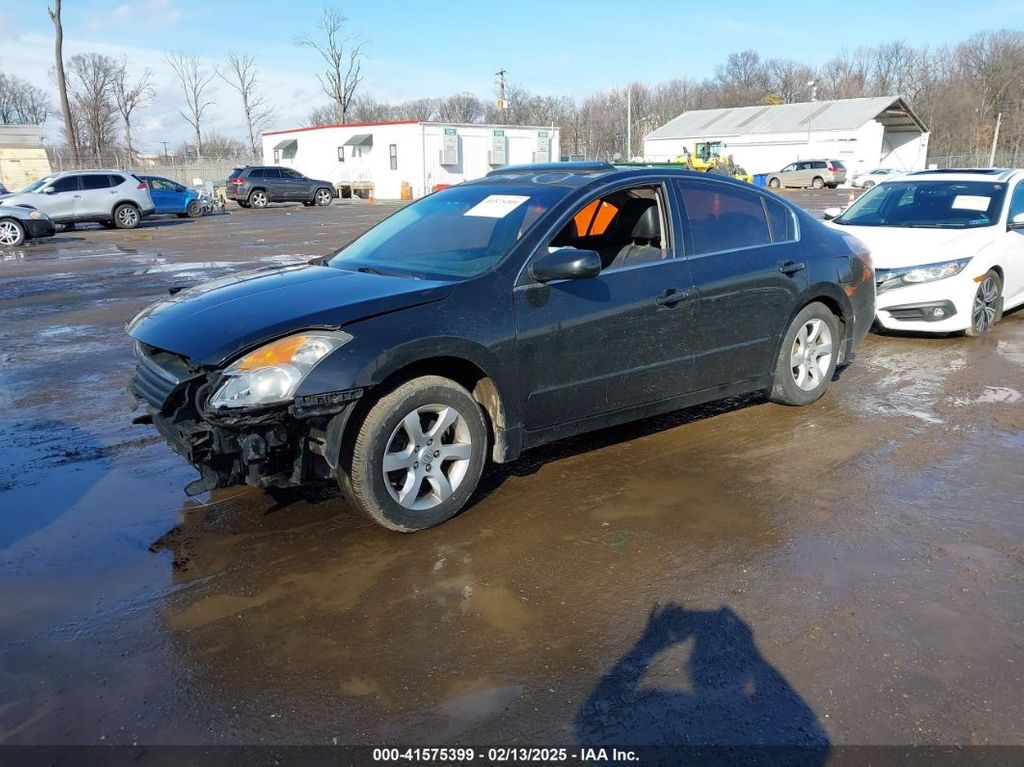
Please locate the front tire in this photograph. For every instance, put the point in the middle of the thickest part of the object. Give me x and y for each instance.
(807, 357)
(867, 185)
(418, 455)
(774, 183)
(322, 197)
(126, 216)
(12, 233)
(194, 209)
(987, 308)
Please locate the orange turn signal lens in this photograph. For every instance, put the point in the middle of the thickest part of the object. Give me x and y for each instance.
(272, 354)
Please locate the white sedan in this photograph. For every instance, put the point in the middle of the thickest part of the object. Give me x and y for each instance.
(876, 176)
(948, 248)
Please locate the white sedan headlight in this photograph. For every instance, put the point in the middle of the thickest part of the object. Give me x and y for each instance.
(272, 373)
(930, 272)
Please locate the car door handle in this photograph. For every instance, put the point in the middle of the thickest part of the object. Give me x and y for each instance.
(791, 267)
(78, 197)
(672, 297)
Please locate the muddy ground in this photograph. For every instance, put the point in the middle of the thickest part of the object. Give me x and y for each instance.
(845, 573)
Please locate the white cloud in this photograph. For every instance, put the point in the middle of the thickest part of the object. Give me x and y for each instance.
(152, 13)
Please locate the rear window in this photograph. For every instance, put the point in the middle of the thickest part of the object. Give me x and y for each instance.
(115, 180)
(724, 219)
(256, 173)
(837, 165)
(818, 164)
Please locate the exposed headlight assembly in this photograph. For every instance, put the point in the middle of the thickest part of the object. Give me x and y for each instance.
(272, 373)
(36, 215)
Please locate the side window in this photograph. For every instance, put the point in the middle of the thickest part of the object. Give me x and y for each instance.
(722, 218)
(271, 173)
(789, 168)
(66, 184)
(1017, 201)
(289, 173)
(256, 173)
(115, 180)
(95, 181)
(780, 221)
(818, 164)
(627, 228)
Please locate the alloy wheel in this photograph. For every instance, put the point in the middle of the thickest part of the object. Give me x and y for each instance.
(127, 217)
(258, 200)
(986, 300)
(427, 456)
(323, 197)
(811, 355)
(10, 234)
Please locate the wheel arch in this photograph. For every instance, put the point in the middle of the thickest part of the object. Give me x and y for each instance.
(467, 370)
(837, 303)
(125, 201)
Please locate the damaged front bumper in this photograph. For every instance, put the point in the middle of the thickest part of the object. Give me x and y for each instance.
(287, 445)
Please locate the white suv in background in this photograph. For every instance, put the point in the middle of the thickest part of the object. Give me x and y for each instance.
(948, 248)
(113, 198)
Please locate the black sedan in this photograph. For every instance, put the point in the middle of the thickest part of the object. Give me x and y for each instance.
(18, 224)
(536, 303)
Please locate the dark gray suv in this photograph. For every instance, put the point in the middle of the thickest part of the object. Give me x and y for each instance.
(255, 186)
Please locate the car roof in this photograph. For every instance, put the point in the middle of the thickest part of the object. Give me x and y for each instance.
(578, 174)
(967, 174)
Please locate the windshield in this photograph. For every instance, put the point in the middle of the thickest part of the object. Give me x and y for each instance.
(455, 233)
(38, 184)
(928, 204)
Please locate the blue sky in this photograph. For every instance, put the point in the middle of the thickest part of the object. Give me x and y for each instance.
(443, 46)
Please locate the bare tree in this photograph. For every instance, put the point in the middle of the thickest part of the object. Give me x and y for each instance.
(62, 88)
(460, 108)
(21, 102)
(343, 56)
(91, 87)
(129, 96)
(194, 79)
(366, 109)
(417, 109)
(324, 115)
(242, 76)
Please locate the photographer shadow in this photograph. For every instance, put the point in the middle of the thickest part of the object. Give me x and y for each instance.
(736, 708)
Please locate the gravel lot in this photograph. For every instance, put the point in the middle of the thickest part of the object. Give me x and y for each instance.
(846, 573)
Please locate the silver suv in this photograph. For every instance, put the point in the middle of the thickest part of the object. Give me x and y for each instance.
(110, 197)
(809, 173)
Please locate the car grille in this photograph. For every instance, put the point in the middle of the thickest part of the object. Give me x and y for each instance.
(159, 376)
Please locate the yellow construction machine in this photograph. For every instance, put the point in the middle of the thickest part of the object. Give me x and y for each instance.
(708, 158)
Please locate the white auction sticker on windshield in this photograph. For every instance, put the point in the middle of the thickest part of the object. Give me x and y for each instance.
(971, 202)
(497, 205)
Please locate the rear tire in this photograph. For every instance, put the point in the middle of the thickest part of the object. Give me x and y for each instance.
(12, 233)
(126, 216)
(818, 182)
(258, 198)
(433, 435)
(987, 308)
(807, 357)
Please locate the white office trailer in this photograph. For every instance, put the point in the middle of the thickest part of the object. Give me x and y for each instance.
(386, 159)
(864, 134)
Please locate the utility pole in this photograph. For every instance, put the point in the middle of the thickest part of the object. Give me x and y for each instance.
(629, 122)
(165, 150)
(502, 104)
(995, 141)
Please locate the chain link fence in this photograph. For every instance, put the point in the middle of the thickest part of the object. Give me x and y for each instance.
(1009, 158)
(211, 171)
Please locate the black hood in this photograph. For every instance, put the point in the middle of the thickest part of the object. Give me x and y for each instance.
(213, 322)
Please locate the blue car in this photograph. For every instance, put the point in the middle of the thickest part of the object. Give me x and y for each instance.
(171, 197)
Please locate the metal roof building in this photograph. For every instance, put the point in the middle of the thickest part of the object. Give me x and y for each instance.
(863, 133)
(22, 156)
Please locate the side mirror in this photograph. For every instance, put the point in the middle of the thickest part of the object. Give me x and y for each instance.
(831, 213)
(566, 264)
(179, 189)
(48, 190)
(1016, 222)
